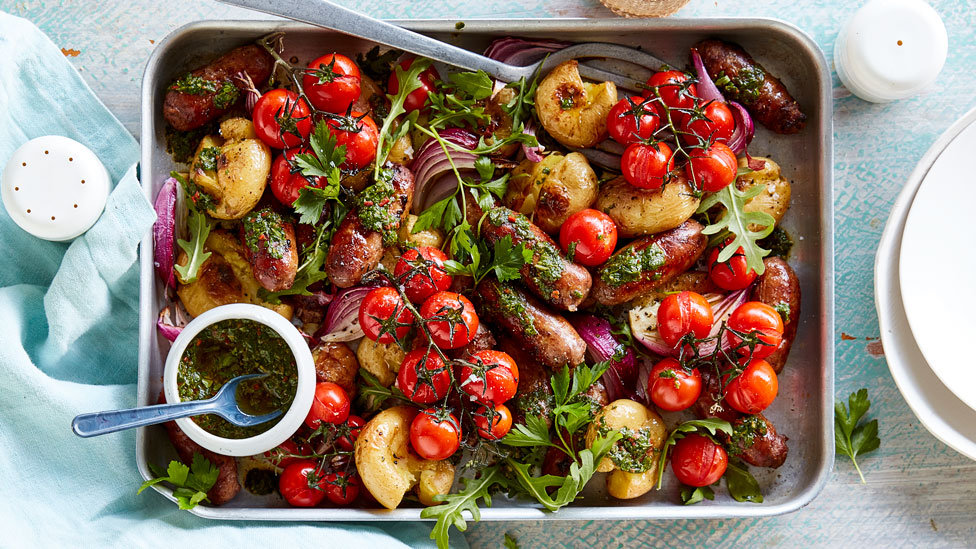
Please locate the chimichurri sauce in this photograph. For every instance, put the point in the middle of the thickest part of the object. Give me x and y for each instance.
(230, 348)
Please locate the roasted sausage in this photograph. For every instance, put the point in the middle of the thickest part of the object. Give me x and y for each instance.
(755, 440)
(544, 335)
(356, 247)
(779, 288)
(711, 403)
(270, 247)
(187, 111)
(648, 263)
(483, 340)
(534, 393)
(337, 363)
(763, 95)
(550, 275)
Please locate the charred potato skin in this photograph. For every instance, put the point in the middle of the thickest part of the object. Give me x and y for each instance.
(584, 123)
(779, 288)
(640, 212)
(553, 189)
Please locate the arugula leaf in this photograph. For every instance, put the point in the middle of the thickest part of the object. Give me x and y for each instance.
(742, 485)
(450, 511)
(191, 483)
(477, 85)
(737, 222)
(850, 438)
(409, 81)
(198, 226)
(373, 394)
(712, 425)
(691, 495)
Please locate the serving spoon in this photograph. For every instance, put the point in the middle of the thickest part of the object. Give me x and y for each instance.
(223, 404)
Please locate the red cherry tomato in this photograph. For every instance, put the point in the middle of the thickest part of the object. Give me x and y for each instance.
(673, 90)
(698, 461)
(417, 98)
(715, 123)
(456, 322)
(287, 186)
(423, 377)
(354, 424)
(711, 169)
(359, 135)
(281, 119)
(428, 264)
(383, 314)
(501, 422)
(435, 434)
(332, 83)
(633, 119)
(330, 405)
(732, 274)
(491, 379)
(590, 235)
(647, 166)
(299, 484)
(754, 316)
(681, 314)
(340, 488)
(671, 387)
(288, 452)
(753, 390)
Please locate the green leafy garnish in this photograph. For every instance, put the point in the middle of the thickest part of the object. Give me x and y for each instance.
(207, 159)
(742, 485)
(712, 425)
(736, 221)
(691, 495)
(850, 438)
(198, 226)
(313, 257)
(477, 85)
(192, 483)
(504, 260)
(409, 80)
(451, 510)
(325, 163)
(510, 541)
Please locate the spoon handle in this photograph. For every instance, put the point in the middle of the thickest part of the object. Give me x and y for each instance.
(100, 423)
(331, 16)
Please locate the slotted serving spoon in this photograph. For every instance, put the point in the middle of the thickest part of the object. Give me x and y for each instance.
(223, 404)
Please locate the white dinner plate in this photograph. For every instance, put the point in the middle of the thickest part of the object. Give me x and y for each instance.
(945, 415)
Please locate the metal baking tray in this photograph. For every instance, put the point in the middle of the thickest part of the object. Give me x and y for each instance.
(804, 409)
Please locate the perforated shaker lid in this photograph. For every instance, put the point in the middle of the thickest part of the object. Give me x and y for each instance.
(54, 187)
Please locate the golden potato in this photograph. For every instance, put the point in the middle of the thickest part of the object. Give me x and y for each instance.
(432, 236)
(775, 200)
(380, 359)
(574, 113)
(237, 128)
(637, 422)
(553, 189)
(225, 277)
(234, 171)
(640, 212)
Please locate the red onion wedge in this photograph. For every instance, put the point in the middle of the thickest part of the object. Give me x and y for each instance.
(164, 231)
(172, 318)
(532, 153)
(707, 90)
(342, 319)
(516, 51)
(744, 129)
(621, 377)
(431, 161)
(643, 323)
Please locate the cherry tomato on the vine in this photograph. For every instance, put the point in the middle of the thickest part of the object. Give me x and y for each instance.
(428, 264)
(299, 484)
(330, 405)
(286, 185)
(423, 377)
(501, 422)
(340, 488)
(332, 83)
(711, 169)
(450, 318)
(732, 274)
(671, 387)
(673, 89)
(755, 316)
(647, 166)
(355, 425)
(698, 460)
(753, 390)
(633, 119)
(714, 123)
(383, 314)
(359, 135)
(491, 378)
(435, 434)
(288, 452)
(590, 235)
(417, 98)
(684, 313)
(281, 118)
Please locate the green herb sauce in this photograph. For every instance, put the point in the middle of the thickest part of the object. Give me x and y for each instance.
(234, 347)
(745, 86)
(511, 305)
(546, 266)
(227, 95)
(374, 210)
(263, 229)
(207, 159)
(630, 264)
(778, 243)
(634, 452)
(182, 145)
(260, 482)
(744, 433)
(194, 85)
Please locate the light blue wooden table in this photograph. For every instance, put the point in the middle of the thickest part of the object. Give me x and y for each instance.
(919, 492)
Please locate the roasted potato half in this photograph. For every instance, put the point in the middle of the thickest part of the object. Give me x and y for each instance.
(640, 212)
(553, 189)
(380, 359)
(573, 112)
(631, 475)
(775, 200)
(225, 277)
(232, 169)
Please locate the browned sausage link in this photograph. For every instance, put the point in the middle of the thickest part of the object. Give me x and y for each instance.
(779, 288)
(767, 100)
(271, 249)
(648, 263)
(550, 275)
(544, 335)
(356, 249)
(335, 362)
(711, 403)
(534, 393)
(187, 111)
(755, 440)
(483, 340)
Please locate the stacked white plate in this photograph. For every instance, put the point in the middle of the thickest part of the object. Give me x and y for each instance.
(925, 289)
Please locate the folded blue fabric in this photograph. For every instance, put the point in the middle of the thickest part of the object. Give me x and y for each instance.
(68, 313)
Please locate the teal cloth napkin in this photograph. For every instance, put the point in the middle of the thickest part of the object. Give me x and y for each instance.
(68, 345)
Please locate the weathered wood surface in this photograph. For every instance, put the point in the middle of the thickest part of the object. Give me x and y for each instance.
(918, 491)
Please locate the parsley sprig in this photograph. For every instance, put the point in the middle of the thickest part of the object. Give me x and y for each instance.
(324, 161)
(851, 438)
(192, 483)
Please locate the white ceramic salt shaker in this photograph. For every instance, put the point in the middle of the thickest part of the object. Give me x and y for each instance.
(891, 49)
(55, 188)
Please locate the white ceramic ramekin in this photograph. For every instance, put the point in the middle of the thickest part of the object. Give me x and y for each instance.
(304, 394)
